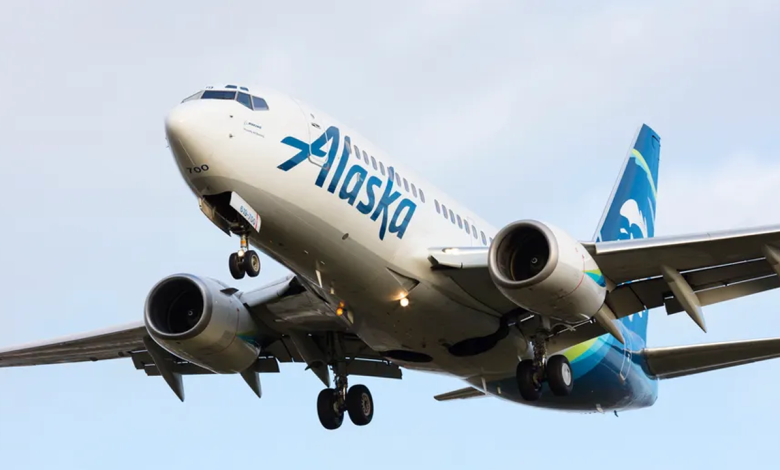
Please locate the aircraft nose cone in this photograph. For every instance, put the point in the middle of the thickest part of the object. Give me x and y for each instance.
(187, 130)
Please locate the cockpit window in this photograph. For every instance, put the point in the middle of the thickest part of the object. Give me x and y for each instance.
(218, 95)
(193, 96)
(259, 104)
(244, 99)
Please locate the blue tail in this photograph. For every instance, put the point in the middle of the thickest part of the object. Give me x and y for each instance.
(630, 212)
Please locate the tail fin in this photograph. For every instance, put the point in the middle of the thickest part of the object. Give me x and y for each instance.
(630, 211)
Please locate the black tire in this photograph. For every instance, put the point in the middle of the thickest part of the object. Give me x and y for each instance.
(530, 389)
(236, 269)
(330, 417)
(251, 263)
(360, 405)
(559, 375)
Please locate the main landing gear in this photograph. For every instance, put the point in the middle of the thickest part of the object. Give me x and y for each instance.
(355, 400)
(244, 261)
(332, 403)
(556, 371)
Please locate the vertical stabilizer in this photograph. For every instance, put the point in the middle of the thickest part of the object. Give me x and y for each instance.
(630, 211)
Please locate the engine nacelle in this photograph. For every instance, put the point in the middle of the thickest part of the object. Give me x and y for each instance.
(544, 270)
(192, 318)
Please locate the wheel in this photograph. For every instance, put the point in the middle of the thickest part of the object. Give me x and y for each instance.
(530, 388)
(251, 263)
(330, 415)
(559, 375)
(236, 269)
(360, 405)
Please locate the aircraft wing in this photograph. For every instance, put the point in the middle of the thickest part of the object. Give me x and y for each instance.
(292, 315)
(682, 273)
(679, 361)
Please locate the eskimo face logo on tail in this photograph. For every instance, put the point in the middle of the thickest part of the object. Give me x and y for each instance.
(633, 224)
(374, 196)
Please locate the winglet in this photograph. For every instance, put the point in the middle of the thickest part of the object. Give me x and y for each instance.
(685, 295)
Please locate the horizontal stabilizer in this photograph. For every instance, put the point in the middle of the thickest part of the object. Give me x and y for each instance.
(467, 392)
(679, 361)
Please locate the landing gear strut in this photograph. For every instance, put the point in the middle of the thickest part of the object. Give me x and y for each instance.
(244, 261)
(356, 401)
(556, 371)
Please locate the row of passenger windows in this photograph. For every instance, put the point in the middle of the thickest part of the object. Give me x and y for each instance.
(419, 194)
(250, 101)
(461, 222)
(401, 182)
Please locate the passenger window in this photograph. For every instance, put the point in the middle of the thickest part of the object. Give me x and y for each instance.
(357, 152)
(422, 196)
(452, 217)
(466, 226)
(398, 179)
(460, 221)
(244, 99)
(373, 163)
(414, 190)
(382, 168)
(259, 104)
(406, 185)
(391, 172)
(438, 209)
(491, 240)
(444, 211)
(365, 157)
(218, 95)
(484, 239)
(474, 231)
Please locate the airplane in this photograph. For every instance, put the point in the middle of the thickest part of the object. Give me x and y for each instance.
(389, 273)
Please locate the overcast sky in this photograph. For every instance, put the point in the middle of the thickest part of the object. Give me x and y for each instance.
(518, 109)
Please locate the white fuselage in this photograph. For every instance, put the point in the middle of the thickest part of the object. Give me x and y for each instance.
(351, 234)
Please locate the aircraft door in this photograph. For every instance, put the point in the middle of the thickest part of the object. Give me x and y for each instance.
(319, 153)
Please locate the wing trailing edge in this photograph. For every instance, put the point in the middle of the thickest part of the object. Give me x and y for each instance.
(679, 361)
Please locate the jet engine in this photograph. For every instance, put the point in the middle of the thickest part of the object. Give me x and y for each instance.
(544, 270)
(202, 321)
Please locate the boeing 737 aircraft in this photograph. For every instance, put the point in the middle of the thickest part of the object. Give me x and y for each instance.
(389, 272)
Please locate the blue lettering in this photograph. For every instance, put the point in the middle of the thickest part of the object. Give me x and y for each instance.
(357, 173)
(387, 198)
(342, 165)
(353, 182)
(366, 208)
(316, 148)
(400, 229)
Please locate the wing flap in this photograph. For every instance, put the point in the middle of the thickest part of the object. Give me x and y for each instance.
(630, 260)
(467, 392)
(679, 361)
(712, 285)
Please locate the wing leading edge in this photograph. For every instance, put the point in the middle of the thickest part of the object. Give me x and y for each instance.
(286, 309)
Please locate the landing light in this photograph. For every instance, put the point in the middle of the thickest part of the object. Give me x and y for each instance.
(404, 302)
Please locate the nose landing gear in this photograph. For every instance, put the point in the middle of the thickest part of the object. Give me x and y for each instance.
(244, 261)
